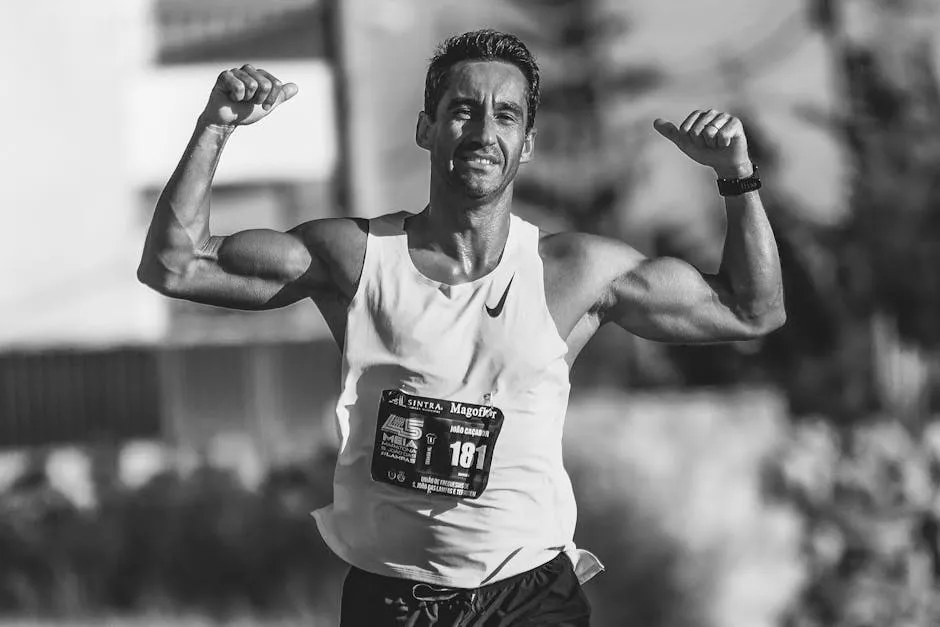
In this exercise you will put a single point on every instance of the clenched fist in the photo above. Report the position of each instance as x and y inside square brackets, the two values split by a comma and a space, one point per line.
[244, 95]
[712, 138]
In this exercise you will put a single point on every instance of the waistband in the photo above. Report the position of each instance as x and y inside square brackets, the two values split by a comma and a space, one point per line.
[429, 592]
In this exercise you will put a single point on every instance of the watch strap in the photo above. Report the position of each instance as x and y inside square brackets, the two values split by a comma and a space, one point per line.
[736, 187]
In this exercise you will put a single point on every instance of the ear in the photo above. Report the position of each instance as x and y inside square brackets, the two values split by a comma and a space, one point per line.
[528, 146]
[423, 131]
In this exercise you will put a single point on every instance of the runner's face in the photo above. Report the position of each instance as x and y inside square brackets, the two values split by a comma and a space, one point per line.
[478, 136]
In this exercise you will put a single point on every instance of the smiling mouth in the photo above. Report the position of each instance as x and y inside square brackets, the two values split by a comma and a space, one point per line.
[481, 160]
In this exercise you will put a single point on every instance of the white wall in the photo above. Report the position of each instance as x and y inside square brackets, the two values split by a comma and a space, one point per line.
[297, 142]
[68, 240]
[88, 123]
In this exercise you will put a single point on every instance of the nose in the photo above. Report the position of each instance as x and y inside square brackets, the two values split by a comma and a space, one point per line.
[488, 132]
[485, 129]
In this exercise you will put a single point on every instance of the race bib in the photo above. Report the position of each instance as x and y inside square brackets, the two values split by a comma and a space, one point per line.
[434, 446]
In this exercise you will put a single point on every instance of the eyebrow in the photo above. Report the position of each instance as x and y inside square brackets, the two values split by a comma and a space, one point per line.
[500, 106]
[511, 106]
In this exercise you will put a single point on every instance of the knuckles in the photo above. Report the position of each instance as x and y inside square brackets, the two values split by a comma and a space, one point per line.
[249, 83]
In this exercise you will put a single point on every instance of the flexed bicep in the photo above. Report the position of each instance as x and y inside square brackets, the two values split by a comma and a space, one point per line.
[255, 269]
[669, 300]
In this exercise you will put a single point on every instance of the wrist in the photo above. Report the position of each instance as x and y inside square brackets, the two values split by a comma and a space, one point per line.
[740, 183]
[215, 127]
[739, 171]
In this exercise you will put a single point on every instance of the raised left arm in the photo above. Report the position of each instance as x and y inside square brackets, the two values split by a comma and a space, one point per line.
[669, 300]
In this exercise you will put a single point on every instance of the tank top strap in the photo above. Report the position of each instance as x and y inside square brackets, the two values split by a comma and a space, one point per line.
[383, 244]
[526, 235]
[388, 225]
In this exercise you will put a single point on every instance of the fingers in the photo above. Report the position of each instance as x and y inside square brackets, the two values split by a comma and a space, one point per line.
[280, 92]
[261, 83]
[730, 128]
[231, 85]
[702, 129]
[709, 128]
[256, 86]
[696, 123]
[274, 91]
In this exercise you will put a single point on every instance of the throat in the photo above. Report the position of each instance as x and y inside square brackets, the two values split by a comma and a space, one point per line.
[442, 268]
[449, 254]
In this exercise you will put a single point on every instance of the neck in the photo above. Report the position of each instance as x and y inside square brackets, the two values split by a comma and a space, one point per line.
[472, 233]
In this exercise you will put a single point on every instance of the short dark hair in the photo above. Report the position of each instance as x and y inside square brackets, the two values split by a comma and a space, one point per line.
[481, 45]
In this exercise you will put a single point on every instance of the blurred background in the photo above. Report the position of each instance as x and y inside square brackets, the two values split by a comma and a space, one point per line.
[159, 459]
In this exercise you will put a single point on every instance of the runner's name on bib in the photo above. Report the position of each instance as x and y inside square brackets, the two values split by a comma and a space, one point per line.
[434, 446]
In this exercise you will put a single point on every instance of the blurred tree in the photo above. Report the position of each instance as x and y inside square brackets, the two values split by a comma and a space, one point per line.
[889, 247]
[863, 298]
[587, 162]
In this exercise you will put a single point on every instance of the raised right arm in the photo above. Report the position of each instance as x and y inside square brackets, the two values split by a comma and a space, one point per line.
[256, 269]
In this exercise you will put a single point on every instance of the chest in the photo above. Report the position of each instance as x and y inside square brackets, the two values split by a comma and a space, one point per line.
[498, 321]
[570, 295]
[495, 333]
[435, 324]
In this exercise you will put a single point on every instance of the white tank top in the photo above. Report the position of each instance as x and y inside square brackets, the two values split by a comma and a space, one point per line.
[429, 485]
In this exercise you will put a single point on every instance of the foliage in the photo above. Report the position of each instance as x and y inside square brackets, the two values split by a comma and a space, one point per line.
[199, 543]
[895, 226]
[870, 498]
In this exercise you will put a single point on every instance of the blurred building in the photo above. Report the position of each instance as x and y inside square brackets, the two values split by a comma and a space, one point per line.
[113, 94]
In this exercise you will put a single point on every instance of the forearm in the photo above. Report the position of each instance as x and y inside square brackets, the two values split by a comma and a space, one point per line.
[750, 265]
[179, 229]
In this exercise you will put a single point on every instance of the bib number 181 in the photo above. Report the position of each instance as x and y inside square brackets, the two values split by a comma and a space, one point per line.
[463, 453]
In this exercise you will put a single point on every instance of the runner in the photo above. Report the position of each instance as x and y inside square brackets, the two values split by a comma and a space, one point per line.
[458, 324]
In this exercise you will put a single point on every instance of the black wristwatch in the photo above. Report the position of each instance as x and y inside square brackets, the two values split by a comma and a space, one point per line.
[736, 187]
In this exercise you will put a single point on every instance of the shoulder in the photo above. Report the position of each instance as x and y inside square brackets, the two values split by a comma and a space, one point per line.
[588, 254]
[582, 269]
[339, 244]
[339, 235]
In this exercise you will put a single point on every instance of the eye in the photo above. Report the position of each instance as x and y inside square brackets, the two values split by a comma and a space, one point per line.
[462, 113]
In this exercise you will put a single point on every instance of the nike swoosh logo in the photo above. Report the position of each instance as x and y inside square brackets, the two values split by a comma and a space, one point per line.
[495, 311]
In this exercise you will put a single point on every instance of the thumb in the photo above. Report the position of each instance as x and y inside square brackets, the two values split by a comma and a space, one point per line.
[667, 129]
[288, 91]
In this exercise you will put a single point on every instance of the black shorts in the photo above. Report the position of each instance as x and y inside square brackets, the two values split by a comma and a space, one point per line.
[547, 595]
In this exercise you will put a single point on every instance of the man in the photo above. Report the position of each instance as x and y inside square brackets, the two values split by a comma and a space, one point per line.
[458, 325]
